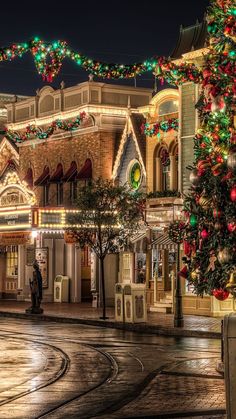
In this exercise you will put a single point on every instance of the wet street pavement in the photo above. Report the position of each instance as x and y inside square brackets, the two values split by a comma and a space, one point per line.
[51, 370]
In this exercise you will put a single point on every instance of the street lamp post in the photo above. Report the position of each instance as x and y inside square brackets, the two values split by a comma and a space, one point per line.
[178, 311]
[178, 239]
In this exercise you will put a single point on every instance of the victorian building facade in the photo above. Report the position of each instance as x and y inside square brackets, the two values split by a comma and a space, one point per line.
[55, 142]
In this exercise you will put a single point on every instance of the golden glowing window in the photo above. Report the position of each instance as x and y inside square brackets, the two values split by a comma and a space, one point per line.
[12, 261]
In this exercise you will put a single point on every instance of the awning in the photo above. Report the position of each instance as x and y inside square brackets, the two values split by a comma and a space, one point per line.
[43, 178]
[163, 242]
[71, 173]
[86, 171]
[57, 175]
[139, 242]
[29, 177]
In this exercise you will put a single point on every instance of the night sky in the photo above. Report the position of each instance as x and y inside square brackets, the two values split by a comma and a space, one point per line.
[126, 32]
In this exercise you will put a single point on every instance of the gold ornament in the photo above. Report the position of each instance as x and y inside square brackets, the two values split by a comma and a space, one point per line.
[231, 285]
[205, 202]
[224, 255]
[194, 274]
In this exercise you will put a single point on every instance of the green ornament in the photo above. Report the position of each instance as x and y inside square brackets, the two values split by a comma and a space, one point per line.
[193, 220]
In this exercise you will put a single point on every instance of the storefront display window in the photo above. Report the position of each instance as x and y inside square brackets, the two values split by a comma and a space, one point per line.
[140, 268]
[157, 264]
[12, 261]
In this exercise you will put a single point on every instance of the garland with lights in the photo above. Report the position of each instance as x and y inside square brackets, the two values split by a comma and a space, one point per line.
[164, 126]
[210, 230]
[33, 131]
[48, 59]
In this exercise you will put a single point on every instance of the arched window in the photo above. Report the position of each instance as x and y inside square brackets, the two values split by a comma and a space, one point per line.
[165, 169]
[168, 106]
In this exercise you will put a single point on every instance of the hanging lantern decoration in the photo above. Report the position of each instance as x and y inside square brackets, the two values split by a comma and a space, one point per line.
[233, 193]
[224, 255]
[220, 294]
[194, 177]
[193, 220]
[231, 161]
[231, 285]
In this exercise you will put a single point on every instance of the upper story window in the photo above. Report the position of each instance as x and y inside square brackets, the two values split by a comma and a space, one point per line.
[169, 106]
[166, 173]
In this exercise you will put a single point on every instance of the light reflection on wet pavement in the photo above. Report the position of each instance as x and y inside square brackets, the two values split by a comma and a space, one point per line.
[73, 371]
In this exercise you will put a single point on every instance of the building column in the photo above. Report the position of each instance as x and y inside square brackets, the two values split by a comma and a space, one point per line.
[158, 175]
[173, 174]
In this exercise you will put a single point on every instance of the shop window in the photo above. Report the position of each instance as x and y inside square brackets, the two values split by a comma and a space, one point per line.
[46, 194]
[59, 193]
[12, 261]
[73, 192]
[157, 264]
[140, 268]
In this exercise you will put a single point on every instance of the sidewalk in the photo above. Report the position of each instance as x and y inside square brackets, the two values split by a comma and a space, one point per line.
[83, 313]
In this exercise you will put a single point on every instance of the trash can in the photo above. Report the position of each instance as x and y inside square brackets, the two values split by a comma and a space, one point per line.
[61, 289]
[135, 307]
[119, 303]
[229, 336]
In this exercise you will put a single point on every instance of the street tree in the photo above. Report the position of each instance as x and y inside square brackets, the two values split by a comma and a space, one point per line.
[108, 216]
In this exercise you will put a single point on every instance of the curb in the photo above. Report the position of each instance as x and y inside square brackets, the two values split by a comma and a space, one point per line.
[210, 413]
[136, 327]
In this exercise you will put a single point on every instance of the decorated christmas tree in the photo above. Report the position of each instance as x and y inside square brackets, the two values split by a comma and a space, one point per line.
[210, 207]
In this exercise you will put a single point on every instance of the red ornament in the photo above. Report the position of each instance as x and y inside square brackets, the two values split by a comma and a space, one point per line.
[231, 226]
[204, 234]
[183, 272]
[233, 193]
[220, 294]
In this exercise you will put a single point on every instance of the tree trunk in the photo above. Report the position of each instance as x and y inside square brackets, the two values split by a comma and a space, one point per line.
[103, 290]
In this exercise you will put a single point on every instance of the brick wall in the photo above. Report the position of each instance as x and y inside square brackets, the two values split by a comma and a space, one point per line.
[98, 146]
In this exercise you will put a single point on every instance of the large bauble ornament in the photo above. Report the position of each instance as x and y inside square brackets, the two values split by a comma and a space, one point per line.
[204, 234]
[205, 202]
[194, 177]
[231, 226]
[193, 220]
[233, 193]
[220, 294]
[224, 255]
[231, 161]
[218, 226]
[216, 213]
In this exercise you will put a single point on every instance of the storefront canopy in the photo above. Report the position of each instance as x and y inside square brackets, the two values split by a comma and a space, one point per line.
[163, 242]
[139, 242]
[86, 171]
[57, 175]
[43, 178]
[29, 177]
[71, 174]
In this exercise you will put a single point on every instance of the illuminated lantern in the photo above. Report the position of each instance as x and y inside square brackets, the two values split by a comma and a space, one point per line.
[220, 294]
